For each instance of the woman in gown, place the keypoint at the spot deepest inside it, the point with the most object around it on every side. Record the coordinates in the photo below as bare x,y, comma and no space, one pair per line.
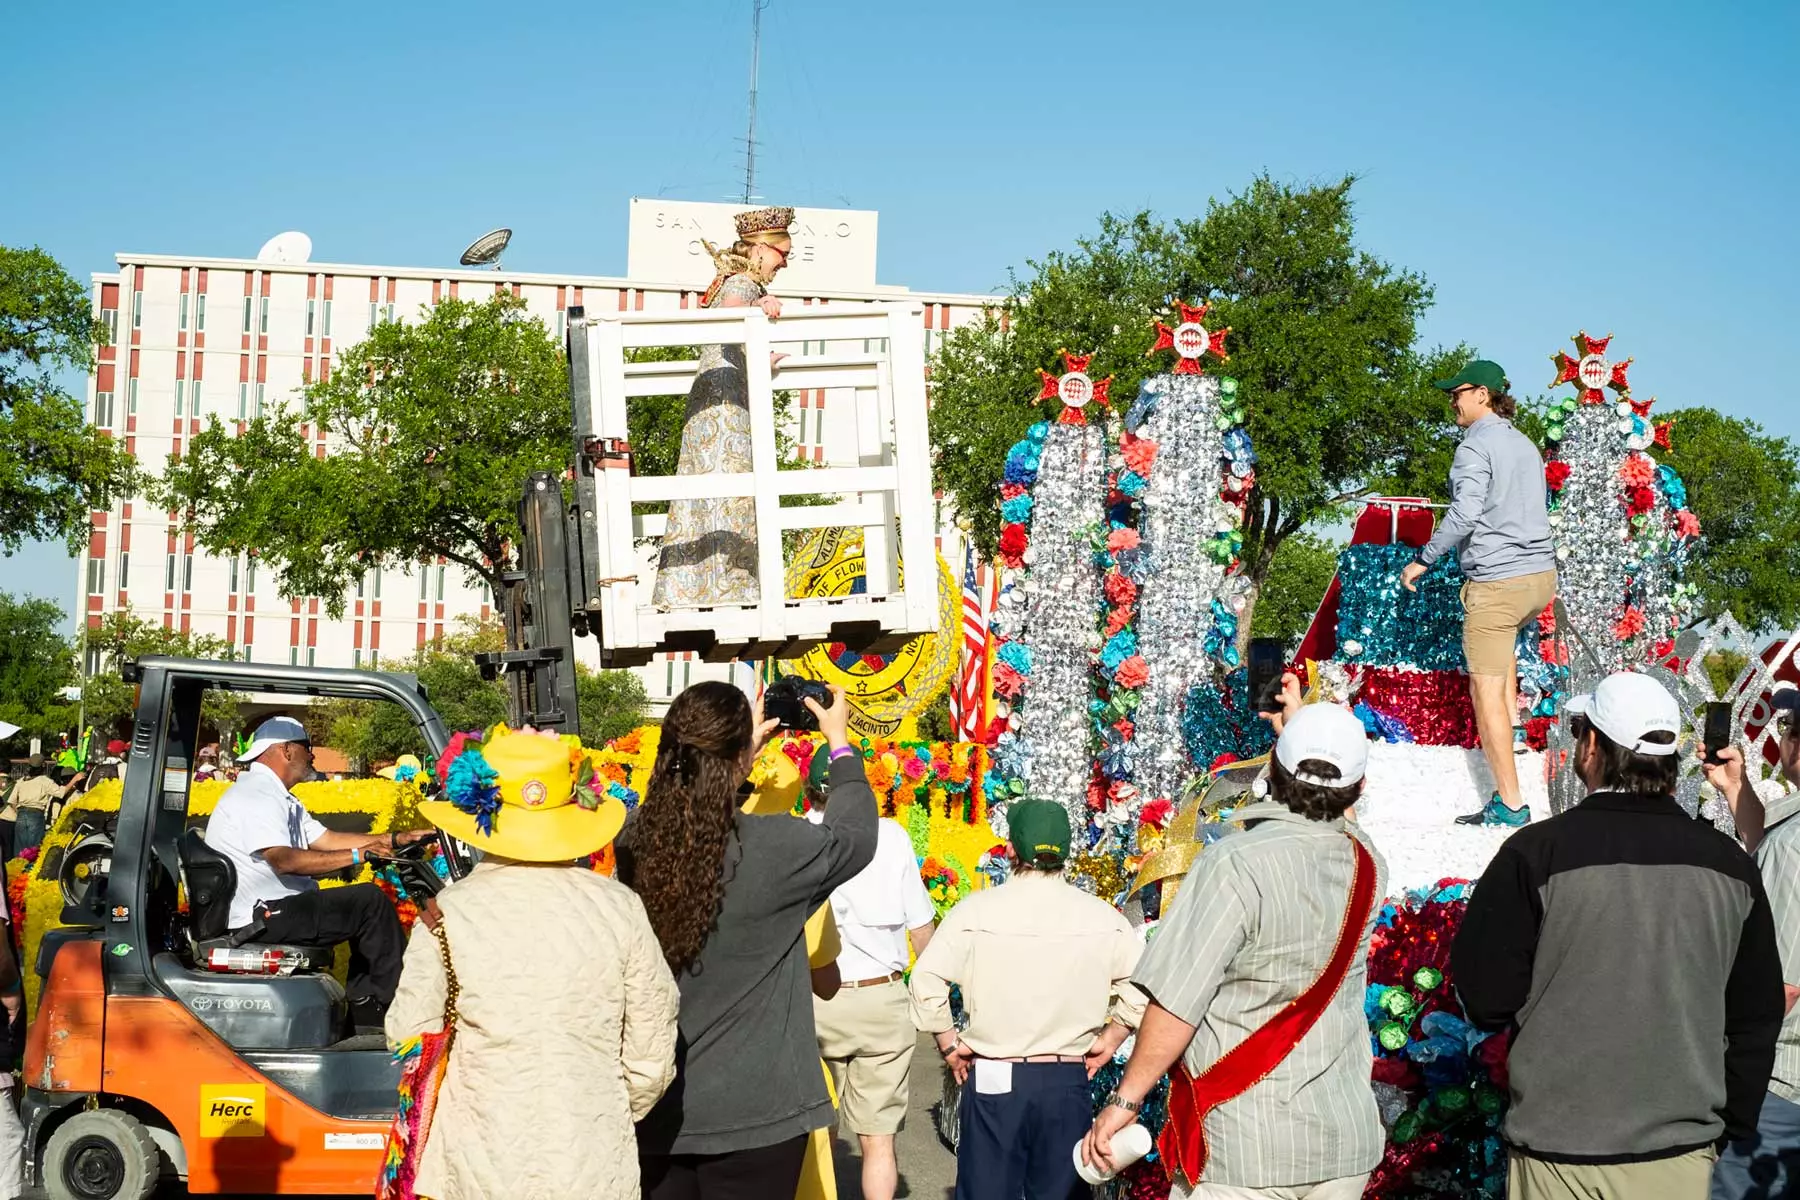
708,554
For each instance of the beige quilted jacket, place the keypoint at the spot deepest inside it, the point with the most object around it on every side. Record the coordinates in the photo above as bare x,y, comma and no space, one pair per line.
565,1037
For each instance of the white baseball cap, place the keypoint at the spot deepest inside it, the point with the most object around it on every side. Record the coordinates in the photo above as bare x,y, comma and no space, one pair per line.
1627,707
272,733
1328,733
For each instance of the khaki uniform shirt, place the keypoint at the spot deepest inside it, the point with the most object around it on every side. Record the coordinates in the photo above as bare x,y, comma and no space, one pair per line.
1042,965
36,793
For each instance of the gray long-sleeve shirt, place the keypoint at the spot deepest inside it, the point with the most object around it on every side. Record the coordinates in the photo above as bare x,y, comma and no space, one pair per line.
1497,506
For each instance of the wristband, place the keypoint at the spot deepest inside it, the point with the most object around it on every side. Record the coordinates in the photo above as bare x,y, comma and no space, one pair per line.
843,751
356,858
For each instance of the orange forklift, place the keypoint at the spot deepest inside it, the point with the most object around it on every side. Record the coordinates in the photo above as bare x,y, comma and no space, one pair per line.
167,1046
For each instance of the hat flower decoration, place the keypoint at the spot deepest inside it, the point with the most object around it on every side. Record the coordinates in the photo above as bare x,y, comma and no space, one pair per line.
527,794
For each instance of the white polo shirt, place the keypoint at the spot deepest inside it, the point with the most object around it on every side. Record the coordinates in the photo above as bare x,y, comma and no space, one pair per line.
875,909
255,813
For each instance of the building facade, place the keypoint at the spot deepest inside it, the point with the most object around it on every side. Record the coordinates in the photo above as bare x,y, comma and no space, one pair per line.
195,338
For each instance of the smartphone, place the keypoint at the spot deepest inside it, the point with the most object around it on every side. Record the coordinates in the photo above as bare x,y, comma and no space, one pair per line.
1716,735
785,701
1268,660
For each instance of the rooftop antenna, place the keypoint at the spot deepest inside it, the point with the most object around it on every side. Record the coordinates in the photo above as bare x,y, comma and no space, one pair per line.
756,12
485,251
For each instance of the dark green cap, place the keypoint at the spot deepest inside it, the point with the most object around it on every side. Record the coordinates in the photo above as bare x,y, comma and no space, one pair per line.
818,773
1039,829
1480,373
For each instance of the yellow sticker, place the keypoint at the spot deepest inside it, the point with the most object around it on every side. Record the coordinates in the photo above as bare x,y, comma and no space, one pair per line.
229,1110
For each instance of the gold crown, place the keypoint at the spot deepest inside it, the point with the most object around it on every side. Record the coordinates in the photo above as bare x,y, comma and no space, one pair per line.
764,220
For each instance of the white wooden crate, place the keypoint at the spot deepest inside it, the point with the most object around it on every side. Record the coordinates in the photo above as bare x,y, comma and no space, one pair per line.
875,351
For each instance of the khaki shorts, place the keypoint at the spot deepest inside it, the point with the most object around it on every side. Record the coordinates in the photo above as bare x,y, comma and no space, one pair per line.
1686,1177
866,1038
1495,612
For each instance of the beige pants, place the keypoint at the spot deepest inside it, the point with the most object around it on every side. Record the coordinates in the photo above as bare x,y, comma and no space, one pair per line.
1348,1188
1687,1177
1494,614
866,1038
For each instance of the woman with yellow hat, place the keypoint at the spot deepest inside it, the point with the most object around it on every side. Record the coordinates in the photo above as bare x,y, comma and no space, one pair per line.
729,894
564,1007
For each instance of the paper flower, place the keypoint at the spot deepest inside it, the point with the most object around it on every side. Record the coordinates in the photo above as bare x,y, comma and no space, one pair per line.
1556,474
1629,624
1637,471
1122,539
1120,590
1133,672
1687,524
1013,540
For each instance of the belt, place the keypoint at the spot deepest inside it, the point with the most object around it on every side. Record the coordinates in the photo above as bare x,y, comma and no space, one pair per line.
1040,1058
890,977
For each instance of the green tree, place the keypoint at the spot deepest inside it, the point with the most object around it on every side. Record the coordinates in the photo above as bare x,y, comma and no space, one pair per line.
54,468
613,703
1722,668
1744,486
432,426
1339,397
108,701
1303,568
36,664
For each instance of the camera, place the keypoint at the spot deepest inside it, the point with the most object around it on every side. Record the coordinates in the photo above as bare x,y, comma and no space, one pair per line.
785,701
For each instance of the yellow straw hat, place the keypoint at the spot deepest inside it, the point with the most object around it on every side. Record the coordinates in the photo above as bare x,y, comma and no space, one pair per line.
518,796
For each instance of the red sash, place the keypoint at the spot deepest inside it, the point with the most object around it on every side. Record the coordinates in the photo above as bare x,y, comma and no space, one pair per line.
1183,1140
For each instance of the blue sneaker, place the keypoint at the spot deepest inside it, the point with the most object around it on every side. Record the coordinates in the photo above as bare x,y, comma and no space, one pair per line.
1495,812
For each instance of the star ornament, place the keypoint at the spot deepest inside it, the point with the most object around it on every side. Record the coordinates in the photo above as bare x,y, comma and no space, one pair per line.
1075,388
1190,340
1591,372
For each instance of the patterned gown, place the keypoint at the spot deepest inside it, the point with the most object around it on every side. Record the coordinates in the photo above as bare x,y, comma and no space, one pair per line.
708,555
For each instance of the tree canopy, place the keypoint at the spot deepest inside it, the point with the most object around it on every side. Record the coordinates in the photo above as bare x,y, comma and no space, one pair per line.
54,467
432,428
1323,344
1303,568
109,702
1744,485
36,664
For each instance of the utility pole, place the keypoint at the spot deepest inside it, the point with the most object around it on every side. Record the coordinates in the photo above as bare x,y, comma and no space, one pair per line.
756,12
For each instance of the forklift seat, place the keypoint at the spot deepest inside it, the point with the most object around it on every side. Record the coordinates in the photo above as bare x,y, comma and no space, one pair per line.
211,880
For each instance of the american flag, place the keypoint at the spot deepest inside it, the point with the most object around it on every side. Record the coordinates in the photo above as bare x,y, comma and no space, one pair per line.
968,703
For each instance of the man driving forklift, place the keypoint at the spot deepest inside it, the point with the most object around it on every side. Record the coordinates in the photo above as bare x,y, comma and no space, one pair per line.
280,851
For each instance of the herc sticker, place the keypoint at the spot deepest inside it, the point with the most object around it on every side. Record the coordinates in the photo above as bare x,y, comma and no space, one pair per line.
229,1110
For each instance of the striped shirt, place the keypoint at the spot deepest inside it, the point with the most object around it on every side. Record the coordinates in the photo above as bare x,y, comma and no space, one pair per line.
1778,859
1252,928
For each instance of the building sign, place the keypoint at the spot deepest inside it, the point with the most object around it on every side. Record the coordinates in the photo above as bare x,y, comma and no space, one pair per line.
834,248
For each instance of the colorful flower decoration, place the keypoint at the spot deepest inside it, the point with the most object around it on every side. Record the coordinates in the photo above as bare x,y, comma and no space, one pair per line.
474,788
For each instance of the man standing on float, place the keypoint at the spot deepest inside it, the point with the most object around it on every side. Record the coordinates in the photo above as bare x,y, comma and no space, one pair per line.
1498,520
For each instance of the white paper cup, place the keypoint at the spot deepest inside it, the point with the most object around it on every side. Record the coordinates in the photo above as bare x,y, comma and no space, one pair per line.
1128,1145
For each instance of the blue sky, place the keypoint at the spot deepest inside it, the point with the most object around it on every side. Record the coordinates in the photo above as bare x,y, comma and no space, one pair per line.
1623,167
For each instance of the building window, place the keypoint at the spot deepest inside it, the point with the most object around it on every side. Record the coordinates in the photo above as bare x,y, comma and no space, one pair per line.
137,310
109,317
359,587
187,572
169,575
181,321
249,652
194,397
96,576
440,585
374,660
265,315
309,317
356,658
248,311
377,574
374,314
231,573
310,652
180,393
561,318
249,576
327,325
124,569
387,313
424,581
200,313
131,398
103,409
93,661
293,656
259,399
243,400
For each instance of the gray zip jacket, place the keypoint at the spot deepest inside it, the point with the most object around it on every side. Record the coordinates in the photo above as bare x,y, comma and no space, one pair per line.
1497,513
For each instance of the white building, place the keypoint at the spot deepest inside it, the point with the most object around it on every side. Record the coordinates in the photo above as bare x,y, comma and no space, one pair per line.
195,337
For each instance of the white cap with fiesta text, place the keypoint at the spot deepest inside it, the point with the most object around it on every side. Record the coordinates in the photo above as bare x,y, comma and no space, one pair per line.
1627,707
1326,733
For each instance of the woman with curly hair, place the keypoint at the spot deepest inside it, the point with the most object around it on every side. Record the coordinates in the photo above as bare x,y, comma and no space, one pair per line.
728,895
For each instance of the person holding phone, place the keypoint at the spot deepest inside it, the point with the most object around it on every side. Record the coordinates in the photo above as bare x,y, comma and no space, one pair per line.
1767,1163
1500,522
729,895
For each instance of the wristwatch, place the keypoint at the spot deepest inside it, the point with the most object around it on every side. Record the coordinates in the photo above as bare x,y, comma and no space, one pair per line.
1114,1100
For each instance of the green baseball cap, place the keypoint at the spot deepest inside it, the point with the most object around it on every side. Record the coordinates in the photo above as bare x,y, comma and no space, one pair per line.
1039,829
1480,373
818,773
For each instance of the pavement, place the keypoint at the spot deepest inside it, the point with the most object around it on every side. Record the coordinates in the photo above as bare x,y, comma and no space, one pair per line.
927,1167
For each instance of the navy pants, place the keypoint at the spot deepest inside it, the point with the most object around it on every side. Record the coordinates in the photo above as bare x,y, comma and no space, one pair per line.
1019,1144
1766,1165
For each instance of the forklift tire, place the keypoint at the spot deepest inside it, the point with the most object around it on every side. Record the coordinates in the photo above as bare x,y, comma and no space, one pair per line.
101,1154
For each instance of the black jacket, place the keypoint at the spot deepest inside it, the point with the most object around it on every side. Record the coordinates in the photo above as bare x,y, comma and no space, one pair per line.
1633,949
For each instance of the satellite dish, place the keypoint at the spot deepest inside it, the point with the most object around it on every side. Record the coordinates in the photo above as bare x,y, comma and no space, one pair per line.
291,247
486,249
